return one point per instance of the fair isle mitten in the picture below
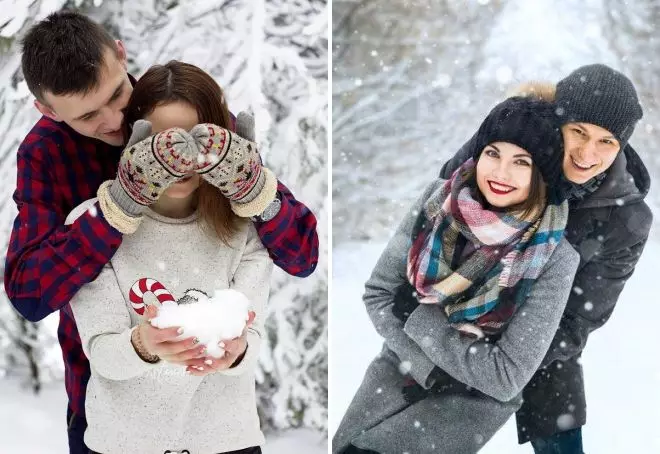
(148, 166)
(233, 165)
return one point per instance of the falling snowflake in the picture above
(562, 344)
(443, 80)
(578, 290)
(588, 306)
(504, 74)
(427, 341)
(404, 367)
(473, 350)
(418, 424)
(379, 391)
(565, 422)
(358, 82)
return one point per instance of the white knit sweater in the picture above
(136, 407)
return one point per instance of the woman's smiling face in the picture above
(504, 174)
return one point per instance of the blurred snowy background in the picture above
(270, 56)
(412, 80)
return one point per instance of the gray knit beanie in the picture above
(599, 95)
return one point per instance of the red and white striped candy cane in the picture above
(148, 285)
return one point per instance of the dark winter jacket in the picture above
(609, 229)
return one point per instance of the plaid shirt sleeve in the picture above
(48, 262)
(291, 237)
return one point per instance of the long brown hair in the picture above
(177, 81)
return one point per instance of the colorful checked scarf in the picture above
(509, 253)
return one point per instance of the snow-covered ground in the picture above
(621, 362)
(37, 425)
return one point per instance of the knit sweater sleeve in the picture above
(252, 278)
(105, 329)
(388, 276)
(500, 369)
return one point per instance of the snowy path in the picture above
(621, 362)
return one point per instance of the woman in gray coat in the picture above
(468, 294)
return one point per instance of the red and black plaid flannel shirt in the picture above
(47, 262)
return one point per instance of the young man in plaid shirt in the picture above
(77, 74)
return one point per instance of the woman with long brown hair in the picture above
(150, 390)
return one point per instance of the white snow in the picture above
(621, 364)
(211, 320)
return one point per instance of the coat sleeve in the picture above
(291, 237)
(382, 288)
(48, 262)
(502, 368)
(596, 289)
(459, 158)
(252, 278)
(105, 329)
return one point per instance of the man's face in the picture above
(589, 150)
(99, 113)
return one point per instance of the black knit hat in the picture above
(599, 95)
(531, 124)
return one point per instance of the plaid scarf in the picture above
(509, 254)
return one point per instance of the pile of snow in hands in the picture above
(211, 320)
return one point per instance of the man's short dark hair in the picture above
(63, 54)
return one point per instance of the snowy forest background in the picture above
(411, 82)
(270, 56)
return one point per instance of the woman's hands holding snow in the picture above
(234, 349)
(218, 323)
(166, 343)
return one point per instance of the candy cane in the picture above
(147, 285)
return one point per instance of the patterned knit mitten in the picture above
(149, 165)
(232, 164)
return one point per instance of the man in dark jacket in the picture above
(608, 225)
(77, 73)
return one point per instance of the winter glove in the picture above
(405, 301)
(233, 165)
(148, 166)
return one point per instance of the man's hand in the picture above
(234, 349)
(162, 342)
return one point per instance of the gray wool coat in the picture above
(381, 419)
(609, 229)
